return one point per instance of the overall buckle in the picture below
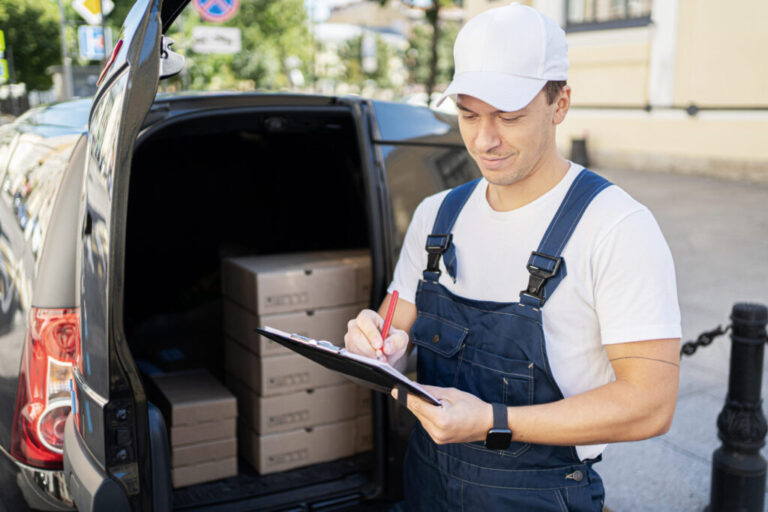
(540, 274)
(437, 244)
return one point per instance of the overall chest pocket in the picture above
(494, 378)
(440, 342)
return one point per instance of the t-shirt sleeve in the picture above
(634, 282)
(413, 256)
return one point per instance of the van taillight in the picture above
(43, 399)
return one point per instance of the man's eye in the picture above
(469, 117)
(510, 119)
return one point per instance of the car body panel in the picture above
(35, 153)
(37, 156)
(110, 397)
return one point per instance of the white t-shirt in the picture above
(620, 284)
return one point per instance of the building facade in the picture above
(665, 84)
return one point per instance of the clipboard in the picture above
(364, 370)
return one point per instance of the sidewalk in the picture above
(718, 233)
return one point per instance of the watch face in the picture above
(498, 439)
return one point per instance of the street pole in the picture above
(11, 81)
(66, 62)
(738, 469)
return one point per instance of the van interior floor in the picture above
(340, 480)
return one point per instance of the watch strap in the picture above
(500, 420)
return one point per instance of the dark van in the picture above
(115, 215)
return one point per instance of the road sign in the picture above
(91, 42)
(216, 39)
(3, 71)
(2, 41)
(216, 10)
(90, 10)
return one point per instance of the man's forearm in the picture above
(617, 411)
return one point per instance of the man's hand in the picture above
(364, 337)
(364, 332)
(462, 418)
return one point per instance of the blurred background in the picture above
(668, 85)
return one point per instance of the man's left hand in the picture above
(462, 418)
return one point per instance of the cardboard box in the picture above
(190, 454)
(277, 375)
(280, 283)
(323, 323)
(268, 415)
(193, 397)
(364, 433)
(201, 432)
(205, 472)
(297, 448)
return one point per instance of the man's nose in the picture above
(487, 136)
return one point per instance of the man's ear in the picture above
(562, 104)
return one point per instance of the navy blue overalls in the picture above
(495, 351)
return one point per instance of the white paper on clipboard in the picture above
(366, 371)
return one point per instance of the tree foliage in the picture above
(418, 55)
(272, 31)
(432, 52)
(32, 33)
(351, 55)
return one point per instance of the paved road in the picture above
(718, 233)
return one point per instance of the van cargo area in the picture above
(228, 184)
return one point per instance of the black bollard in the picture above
(738, 469)
(579, 152)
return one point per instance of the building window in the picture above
(604, 14)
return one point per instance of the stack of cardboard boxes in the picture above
(294, 412)
(201, 417)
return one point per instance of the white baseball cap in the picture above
(504, 57)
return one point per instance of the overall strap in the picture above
(546, 265)
(441, 240)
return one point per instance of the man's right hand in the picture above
(364, 337)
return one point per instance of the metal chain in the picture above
(704, 339)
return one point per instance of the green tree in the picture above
(351, 55)
(419, 54)
(432, 14)
(272, 31)
(32, 33)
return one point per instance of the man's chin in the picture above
(502, 178)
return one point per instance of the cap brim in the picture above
(502, 91)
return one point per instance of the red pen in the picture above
(388, 321)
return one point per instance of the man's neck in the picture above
(544, 177)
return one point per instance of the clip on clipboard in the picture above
(364, 370)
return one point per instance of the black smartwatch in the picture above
(499, 436)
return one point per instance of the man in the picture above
(533, 384)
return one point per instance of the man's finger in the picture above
(356, 342)
(413, 402)
(368, 322)
(423, 411)
(395, 342)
